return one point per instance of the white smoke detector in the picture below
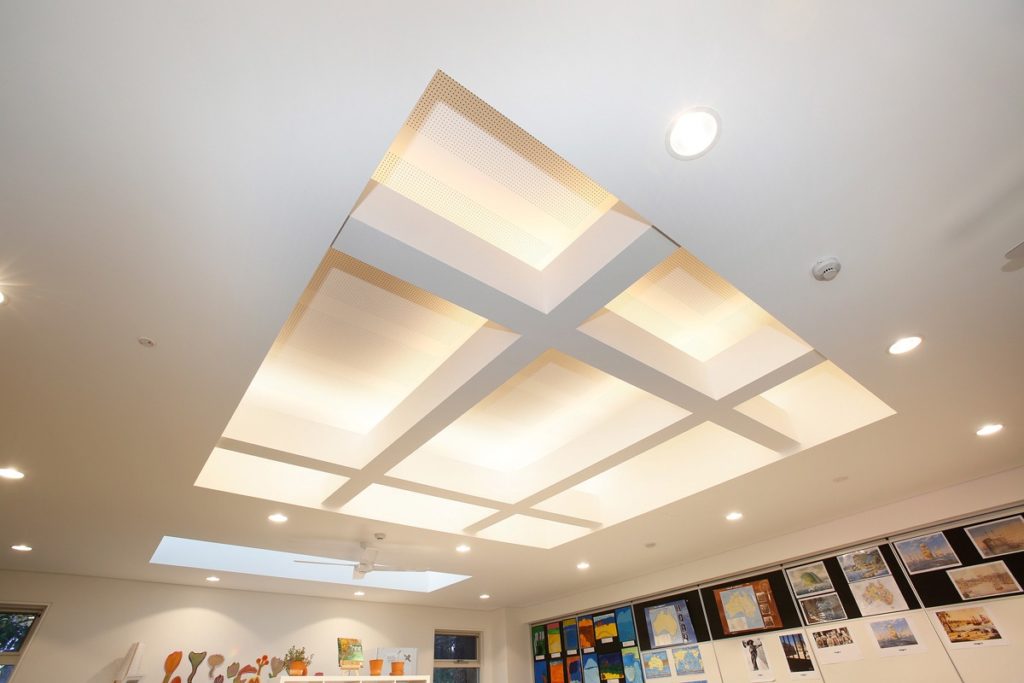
(826, 269)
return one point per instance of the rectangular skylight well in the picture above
(248, 475)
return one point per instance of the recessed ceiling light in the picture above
(583, 565)
(10, 473)
(213, 579)
(693, 133)
(485, 596)
(147, 342)
(989, 429)
(359, 594)
(904, 344)
(463, 548)
(21, 548)
(734, 516)
(278, 517)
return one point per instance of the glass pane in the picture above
(454, 676)
(448, 646)
(14, 628)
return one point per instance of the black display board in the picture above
(693, 606)
(780, 592)
(936, 588)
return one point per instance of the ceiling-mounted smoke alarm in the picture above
(826, 269)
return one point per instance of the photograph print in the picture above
(798, 653)
(968, 626)
(809, 579)
(835, 645)
(927, 553)
(878, 596)
(756, 660)
(863, 564)
(983, 580)
(669, 624)
(819, 609)
(1000, 537)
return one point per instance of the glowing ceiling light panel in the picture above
(248, 475)
(533, 531)
(390, 504)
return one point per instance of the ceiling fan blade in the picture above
(1016, 253)
(333, 564)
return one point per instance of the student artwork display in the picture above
(835, 645)
(809, 579)
(540, 672)
(894, 637)
(632, 666)
(863, 564)
(669, 624)
(591, 671)
(557, 671)
(756, 660)
(819, 609)
(574, 669)
(540, 644)
(798, 656)
(927, 553)
(570, 636)
(969, 627)
(1000, 537)
(656, 664)
(610, 666)
(624, 624)
(983, 580)
(350, 654)
(604, 627)
(878, 596)
(554, 632)
(747, 607)
(687, 660)
(586, 629)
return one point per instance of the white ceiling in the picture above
(179, 171)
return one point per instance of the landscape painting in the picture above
(604, 626)
(809, 579)
(863, 564)
(819, 609)
(1001, 537)
(927, 553)
(983, 580)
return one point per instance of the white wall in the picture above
(90, 622)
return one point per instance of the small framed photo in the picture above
(998, 537)
(809, 579)
(983, 580)
(863, 564)
(927, 553)
(822, 608)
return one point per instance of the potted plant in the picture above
(297, 661)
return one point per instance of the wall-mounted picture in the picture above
(1000, 537)
(878, 596)
(835, 645)
(819, 609)
(756, 660)
(554, 638)
(894, 636)
(632, 666)
(687, 660)
(983, 580)
(927, 553)
(574, 669)
(656, 664)
(969, 627)
(863, 564)
(747, 607)
(586, 629)
(604, 626)
(624, 624)
(570, 635)
(798, 653)
(557, 671)
(540, 672)
(669, 624)
(809, 579)
(591, 672)
(610, 665)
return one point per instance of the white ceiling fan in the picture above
(367, 561)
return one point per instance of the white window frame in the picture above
(13, 658)
(460, 663)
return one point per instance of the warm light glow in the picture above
(734, 516)
(462, 548)
(583, 565)
(278, 518)
(990, 429)
(213, 579)
(693, 133)
(904, 345)
(398, 506)
(3, 298)
(532, 531)
(10, 473)
(21, 548)
(485, 596)
(359, 594)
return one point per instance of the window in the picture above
(456, 657)
(16, 625)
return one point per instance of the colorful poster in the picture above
(656, 664)
(574, 668)
(570, 635)
(540, 672)
(554, 638)
(591, 672)
(557, 671)
(624, 624)
(586, 626)
(604, 626)
(687, 660)
(540, 643)
(927, 553)
(669, 624)
(610, 665)
(632, 666)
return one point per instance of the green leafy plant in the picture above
(297, 654)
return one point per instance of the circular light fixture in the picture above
(462, 548)
(989, 429)
(485, 596)
(359, 594)
(904, 345)
(213, 579)
(21, 548)
(278, 518)
(583, 565)
(692, 133)
(147, 342)
(10, 473)
(734, 516)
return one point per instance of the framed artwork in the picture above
(927, 553)
(969, 627)
(540, 643)
(610, 666)
(574, 669)
(878, 596)
(747, 607)
(570, 636)
(554, 638)
(1000, 537)
(687, 660)
(557, 671)
(809, 579)
(894, 637)
(624, 624)
(632, 666)
(818, 609)
(863, 564)
(604, 626)
(756, 660)
(656, 664)
(669, 624)
(586, 629)
(983, 580)
(835, 645)
(591, 672)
